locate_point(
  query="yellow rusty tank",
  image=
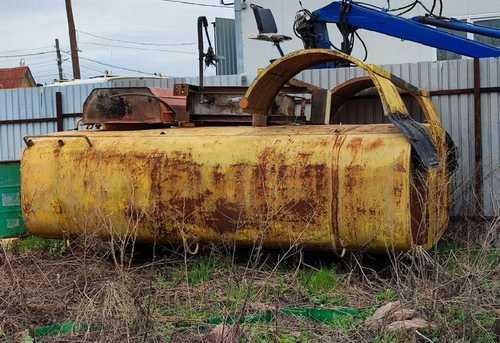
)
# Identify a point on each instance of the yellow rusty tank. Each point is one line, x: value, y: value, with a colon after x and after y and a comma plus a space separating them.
x: 328, y: 187
x: 331, y: 187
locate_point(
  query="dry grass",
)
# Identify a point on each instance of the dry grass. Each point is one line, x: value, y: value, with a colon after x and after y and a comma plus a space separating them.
x: 127, y: 295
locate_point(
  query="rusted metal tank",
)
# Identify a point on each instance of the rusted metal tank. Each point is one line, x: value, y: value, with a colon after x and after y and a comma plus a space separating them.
x: 324, y: 187
x: 333, y: 187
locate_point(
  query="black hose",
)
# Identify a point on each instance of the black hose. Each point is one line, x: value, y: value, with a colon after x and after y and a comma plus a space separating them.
x: 202, y: 23
x: 433, y: 6
x: 364, y: 45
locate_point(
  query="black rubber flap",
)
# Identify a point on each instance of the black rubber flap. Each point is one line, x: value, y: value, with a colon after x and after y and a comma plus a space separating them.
x: 419, y: 138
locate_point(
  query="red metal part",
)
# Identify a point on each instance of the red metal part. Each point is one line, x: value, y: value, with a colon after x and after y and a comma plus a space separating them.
x: 118, y: 106
x: 177, y: 103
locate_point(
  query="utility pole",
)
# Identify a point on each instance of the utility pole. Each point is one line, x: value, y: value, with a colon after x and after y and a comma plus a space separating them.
x: 72, y: 41
x: 59, y: 60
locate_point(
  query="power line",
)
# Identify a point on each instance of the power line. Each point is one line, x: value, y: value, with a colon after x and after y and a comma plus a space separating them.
x: 22, y: 50
x: 113, y: 66
x: 46, y: 75
x: 45, y: 67
x: 132, y: 42
x: 41, y: 63
x: 137, y: 48
x: 92, y: 69
x: 26, y: 55
x: 197, y: 4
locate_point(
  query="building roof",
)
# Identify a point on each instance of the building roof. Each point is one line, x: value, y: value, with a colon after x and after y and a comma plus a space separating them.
x: 102, y: 79
x: 19, y: 77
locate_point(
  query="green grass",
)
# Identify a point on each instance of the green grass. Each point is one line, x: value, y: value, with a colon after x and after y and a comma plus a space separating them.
x: 320, y: 285
x: 201, y: 271
x: 198, y: 272
x: 386, y: 295
x: 53, y: 247
x: 320, y: 281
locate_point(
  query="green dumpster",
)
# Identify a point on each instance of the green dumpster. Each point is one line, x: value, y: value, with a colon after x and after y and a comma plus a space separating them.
x: 11, y: 219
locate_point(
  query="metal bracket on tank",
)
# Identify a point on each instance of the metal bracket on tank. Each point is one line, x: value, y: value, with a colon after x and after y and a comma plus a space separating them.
x: 28, y: 140
x: 419, y: 138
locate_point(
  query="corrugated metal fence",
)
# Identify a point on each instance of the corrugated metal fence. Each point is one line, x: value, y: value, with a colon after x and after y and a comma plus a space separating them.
x: 457, y: 113
x: 225, y: 46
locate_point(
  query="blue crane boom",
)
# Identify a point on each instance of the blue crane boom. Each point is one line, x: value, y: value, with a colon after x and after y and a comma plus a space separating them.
x: 351, y: 16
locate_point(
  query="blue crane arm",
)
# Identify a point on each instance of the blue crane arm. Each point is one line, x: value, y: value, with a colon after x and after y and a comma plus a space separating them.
x: 361, y: 17
x: 459, y: 25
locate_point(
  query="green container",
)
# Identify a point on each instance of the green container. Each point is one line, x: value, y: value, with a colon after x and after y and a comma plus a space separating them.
x: 11, y: 218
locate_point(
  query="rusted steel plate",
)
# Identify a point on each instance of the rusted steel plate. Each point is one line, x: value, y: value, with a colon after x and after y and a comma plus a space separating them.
x: 133, y: 106
x: 322, y: 187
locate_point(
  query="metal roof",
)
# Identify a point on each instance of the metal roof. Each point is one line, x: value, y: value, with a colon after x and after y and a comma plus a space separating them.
x: 102, y: 79
x: 19, y: 77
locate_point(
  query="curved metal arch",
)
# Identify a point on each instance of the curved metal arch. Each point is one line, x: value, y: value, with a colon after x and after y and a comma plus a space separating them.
x: 260, y: 95
x: 342, y: 93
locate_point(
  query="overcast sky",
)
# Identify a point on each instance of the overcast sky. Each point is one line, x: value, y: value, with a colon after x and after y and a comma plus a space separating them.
x: 34, y: 24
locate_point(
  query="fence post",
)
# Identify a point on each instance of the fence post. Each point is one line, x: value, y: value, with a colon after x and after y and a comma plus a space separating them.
x: 59, y: 112
x: 478, y: 148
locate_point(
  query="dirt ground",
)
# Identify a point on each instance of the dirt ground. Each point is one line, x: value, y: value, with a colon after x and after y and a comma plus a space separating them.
x: 162, y: 294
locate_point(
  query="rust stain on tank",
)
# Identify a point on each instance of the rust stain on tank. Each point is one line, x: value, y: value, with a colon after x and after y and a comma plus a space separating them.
x: 217, y: 175
x: 184, y: 209
x: 398, y: 167
x: 282, y: 171
x: 225, y: 218
x: 134, y: 213
x: 355, y: 144
x: 353, y: 177
x: 56, y: 205
x: 302, y: 209
x: 304, y: 156
x: 362, y: 210
x: 376, y: 144
x: 398, y: 191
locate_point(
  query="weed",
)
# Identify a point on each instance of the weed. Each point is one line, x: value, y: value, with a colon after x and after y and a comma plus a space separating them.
x: 296, y: 337
x: 387, y: 338
x: 201, y: 271
x: 197, y: 272
x: 53, y: 247
x: 174, y: 297
x: 386, y: 295
x: 320, y: 281
x: 321, y: 285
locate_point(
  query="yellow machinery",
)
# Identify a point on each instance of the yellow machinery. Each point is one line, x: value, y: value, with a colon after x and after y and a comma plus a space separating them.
x: 373, y: 187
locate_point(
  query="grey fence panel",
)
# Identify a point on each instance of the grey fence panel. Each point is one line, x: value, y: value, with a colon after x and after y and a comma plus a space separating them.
x: 490, y: 105
x: 219, y: 80
x: 139, y: 82
x: 11, y: 135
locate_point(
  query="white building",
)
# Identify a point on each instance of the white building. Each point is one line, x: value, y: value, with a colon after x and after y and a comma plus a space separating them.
x: 382, y: 49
